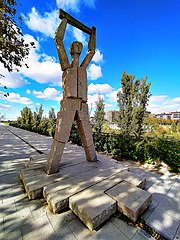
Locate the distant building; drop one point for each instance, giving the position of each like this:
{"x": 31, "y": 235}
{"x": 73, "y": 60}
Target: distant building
{"x": 175, "y": 115}
{"x": 111, "y": 116}
{"x": 166, "y": 116}
{"x": 169, "y": 116}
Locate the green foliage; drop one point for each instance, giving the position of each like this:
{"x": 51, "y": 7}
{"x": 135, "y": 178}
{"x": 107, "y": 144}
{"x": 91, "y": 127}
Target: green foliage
{"x": 25, "y": 121}
{"x": 145, "y": 149}
{"x": 37, "y": 117}
{"x": 161, "y": 130}
{"x": 36, "y": 122}
{"x": 173, "y": 127}
{"x": 13, "y": 49}
{"x": 52, "y": 122}
{"x": 178, "y": 126}
{"x": 99, "y": 115}
{"x": 132, "y": 101}
{"x": 74, "y": 136}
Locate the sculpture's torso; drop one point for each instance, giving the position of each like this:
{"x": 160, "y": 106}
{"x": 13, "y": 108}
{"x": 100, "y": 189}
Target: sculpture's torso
{"x": 74, "y": 83}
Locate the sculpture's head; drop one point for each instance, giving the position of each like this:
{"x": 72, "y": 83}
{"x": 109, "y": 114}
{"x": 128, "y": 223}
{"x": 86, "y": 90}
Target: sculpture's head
{"x": 76, "y": 47}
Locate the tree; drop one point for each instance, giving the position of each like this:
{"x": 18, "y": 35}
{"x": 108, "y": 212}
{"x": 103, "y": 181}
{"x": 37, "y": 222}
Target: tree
{"x": 52, "y": 122}
{"x": 174, "y": 127}
{"x": 37, "y": 117}
{"x": 1, "y": 117}
{"x": 25, "y": 121}
{"x": 13, "y": 49}
{"x": 99, "y": 115}
{"x": 132, "y": 101}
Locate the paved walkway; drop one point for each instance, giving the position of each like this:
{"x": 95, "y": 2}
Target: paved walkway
{"x": 24, "y": 219}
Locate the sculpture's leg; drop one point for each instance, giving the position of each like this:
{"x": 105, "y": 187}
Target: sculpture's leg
{"x": 64, "y": 123}
{"x": 85, "y": 132}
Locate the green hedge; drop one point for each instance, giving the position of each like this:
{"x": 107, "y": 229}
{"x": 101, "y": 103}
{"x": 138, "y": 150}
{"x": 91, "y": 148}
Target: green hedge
{"x": 144, "y": 150}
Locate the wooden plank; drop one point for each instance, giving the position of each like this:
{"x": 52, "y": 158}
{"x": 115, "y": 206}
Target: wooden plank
{"x": 74, "y": 22}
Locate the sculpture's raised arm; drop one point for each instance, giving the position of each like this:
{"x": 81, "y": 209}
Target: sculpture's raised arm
{"x": 91, "y": 48}
{"x": 59, "y": 36}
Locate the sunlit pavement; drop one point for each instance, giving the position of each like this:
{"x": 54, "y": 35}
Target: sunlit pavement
{"x": 24, "y": 219}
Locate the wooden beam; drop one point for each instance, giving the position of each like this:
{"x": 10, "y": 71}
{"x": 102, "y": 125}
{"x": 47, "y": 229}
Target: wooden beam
{"x": 74, "y": 22}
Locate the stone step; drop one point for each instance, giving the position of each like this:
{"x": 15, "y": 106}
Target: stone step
{"x": 95, "y": 213}
{"x": 92, "y": 208}
{"x": 57, "y": 195}
{"x": 34, "y": 178}
{"x": 131, "y": 201}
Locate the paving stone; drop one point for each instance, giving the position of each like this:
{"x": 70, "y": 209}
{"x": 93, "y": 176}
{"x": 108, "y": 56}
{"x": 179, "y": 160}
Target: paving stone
{"x": 16, "y": 220}
{"x": 1, "y": 228}
{"x": 122, "y": 226}
{"x": 80, "y": 231}
{"x": 170, "y": 207}
{"x": 177, "y": 236}
{"x": 60, "y": 220}
{"x": 132, "y": 201}
{"x": 142, "y": 235}
{"x": 39, "y": 209}
{"x": 92, "y": 208}
{"x": 7, "y": 209}
{"x": 13, "y": 235}
{"x": 110, "y": 232}
{"x": 163, "y": 223}
{"x": 63, "y": 233}
{"x": 38, "y": 229}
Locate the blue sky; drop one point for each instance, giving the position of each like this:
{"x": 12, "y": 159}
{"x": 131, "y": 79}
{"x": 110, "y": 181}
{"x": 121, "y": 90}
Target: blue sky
{"x": 139, "y": 36}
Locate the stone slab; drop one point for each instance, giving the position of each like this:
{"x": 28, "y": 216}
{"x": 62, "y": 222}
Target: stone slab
{"x": 99, "y": 180}
{"x": 57, "y": 194}
{"x": 132, "y": 201}
{"x": 34, "y": 179}
{"x": 92, "y": 208}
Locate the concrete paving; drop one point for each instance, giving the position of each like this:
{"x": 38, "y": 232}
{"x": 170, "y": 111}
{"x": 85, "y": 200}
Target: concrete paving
{"x": 24, "y": 219}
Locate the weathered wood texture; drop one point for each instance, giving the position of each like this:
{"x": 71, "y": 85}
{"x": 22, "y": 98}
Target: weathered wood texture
{"x": 74, "y": 22}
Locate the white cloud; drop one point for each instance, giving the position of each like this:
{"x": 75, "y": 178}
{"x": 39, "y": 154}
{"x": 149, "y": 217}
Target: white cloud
{"x": 79, "y": 36}
{"x": 5, "y": 107}
{"x": 42, "y": 68}
{"x": 112, "y": 96}
{"x": 94, "y": 72}
{"x": 98, "y": 57}
{"x": 74, "y": 5}
{"x": 28, "y": 91}
{"x": 15, "y": 97}
{"x": 108, "y": 105}
{"x": 38, "y": 104}
{"x": 92, "y": 99}
{"x": 157, "y": 98}
{"x": 99, "y": 88}
{"x": 163, "y": 104}
{"x": 11, "y": 79}
{"x": 48, "y": 94}
{"x": 46, "y": 24}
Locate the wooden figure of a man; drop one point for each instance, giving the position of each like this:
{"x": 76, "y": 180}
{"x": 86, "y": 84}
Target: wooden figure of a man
{"x": 74, "y": 103}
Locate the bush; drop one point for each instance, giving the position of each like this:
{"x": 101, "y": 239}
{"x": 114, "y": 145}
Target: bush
{"x": 144, "y": 150}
